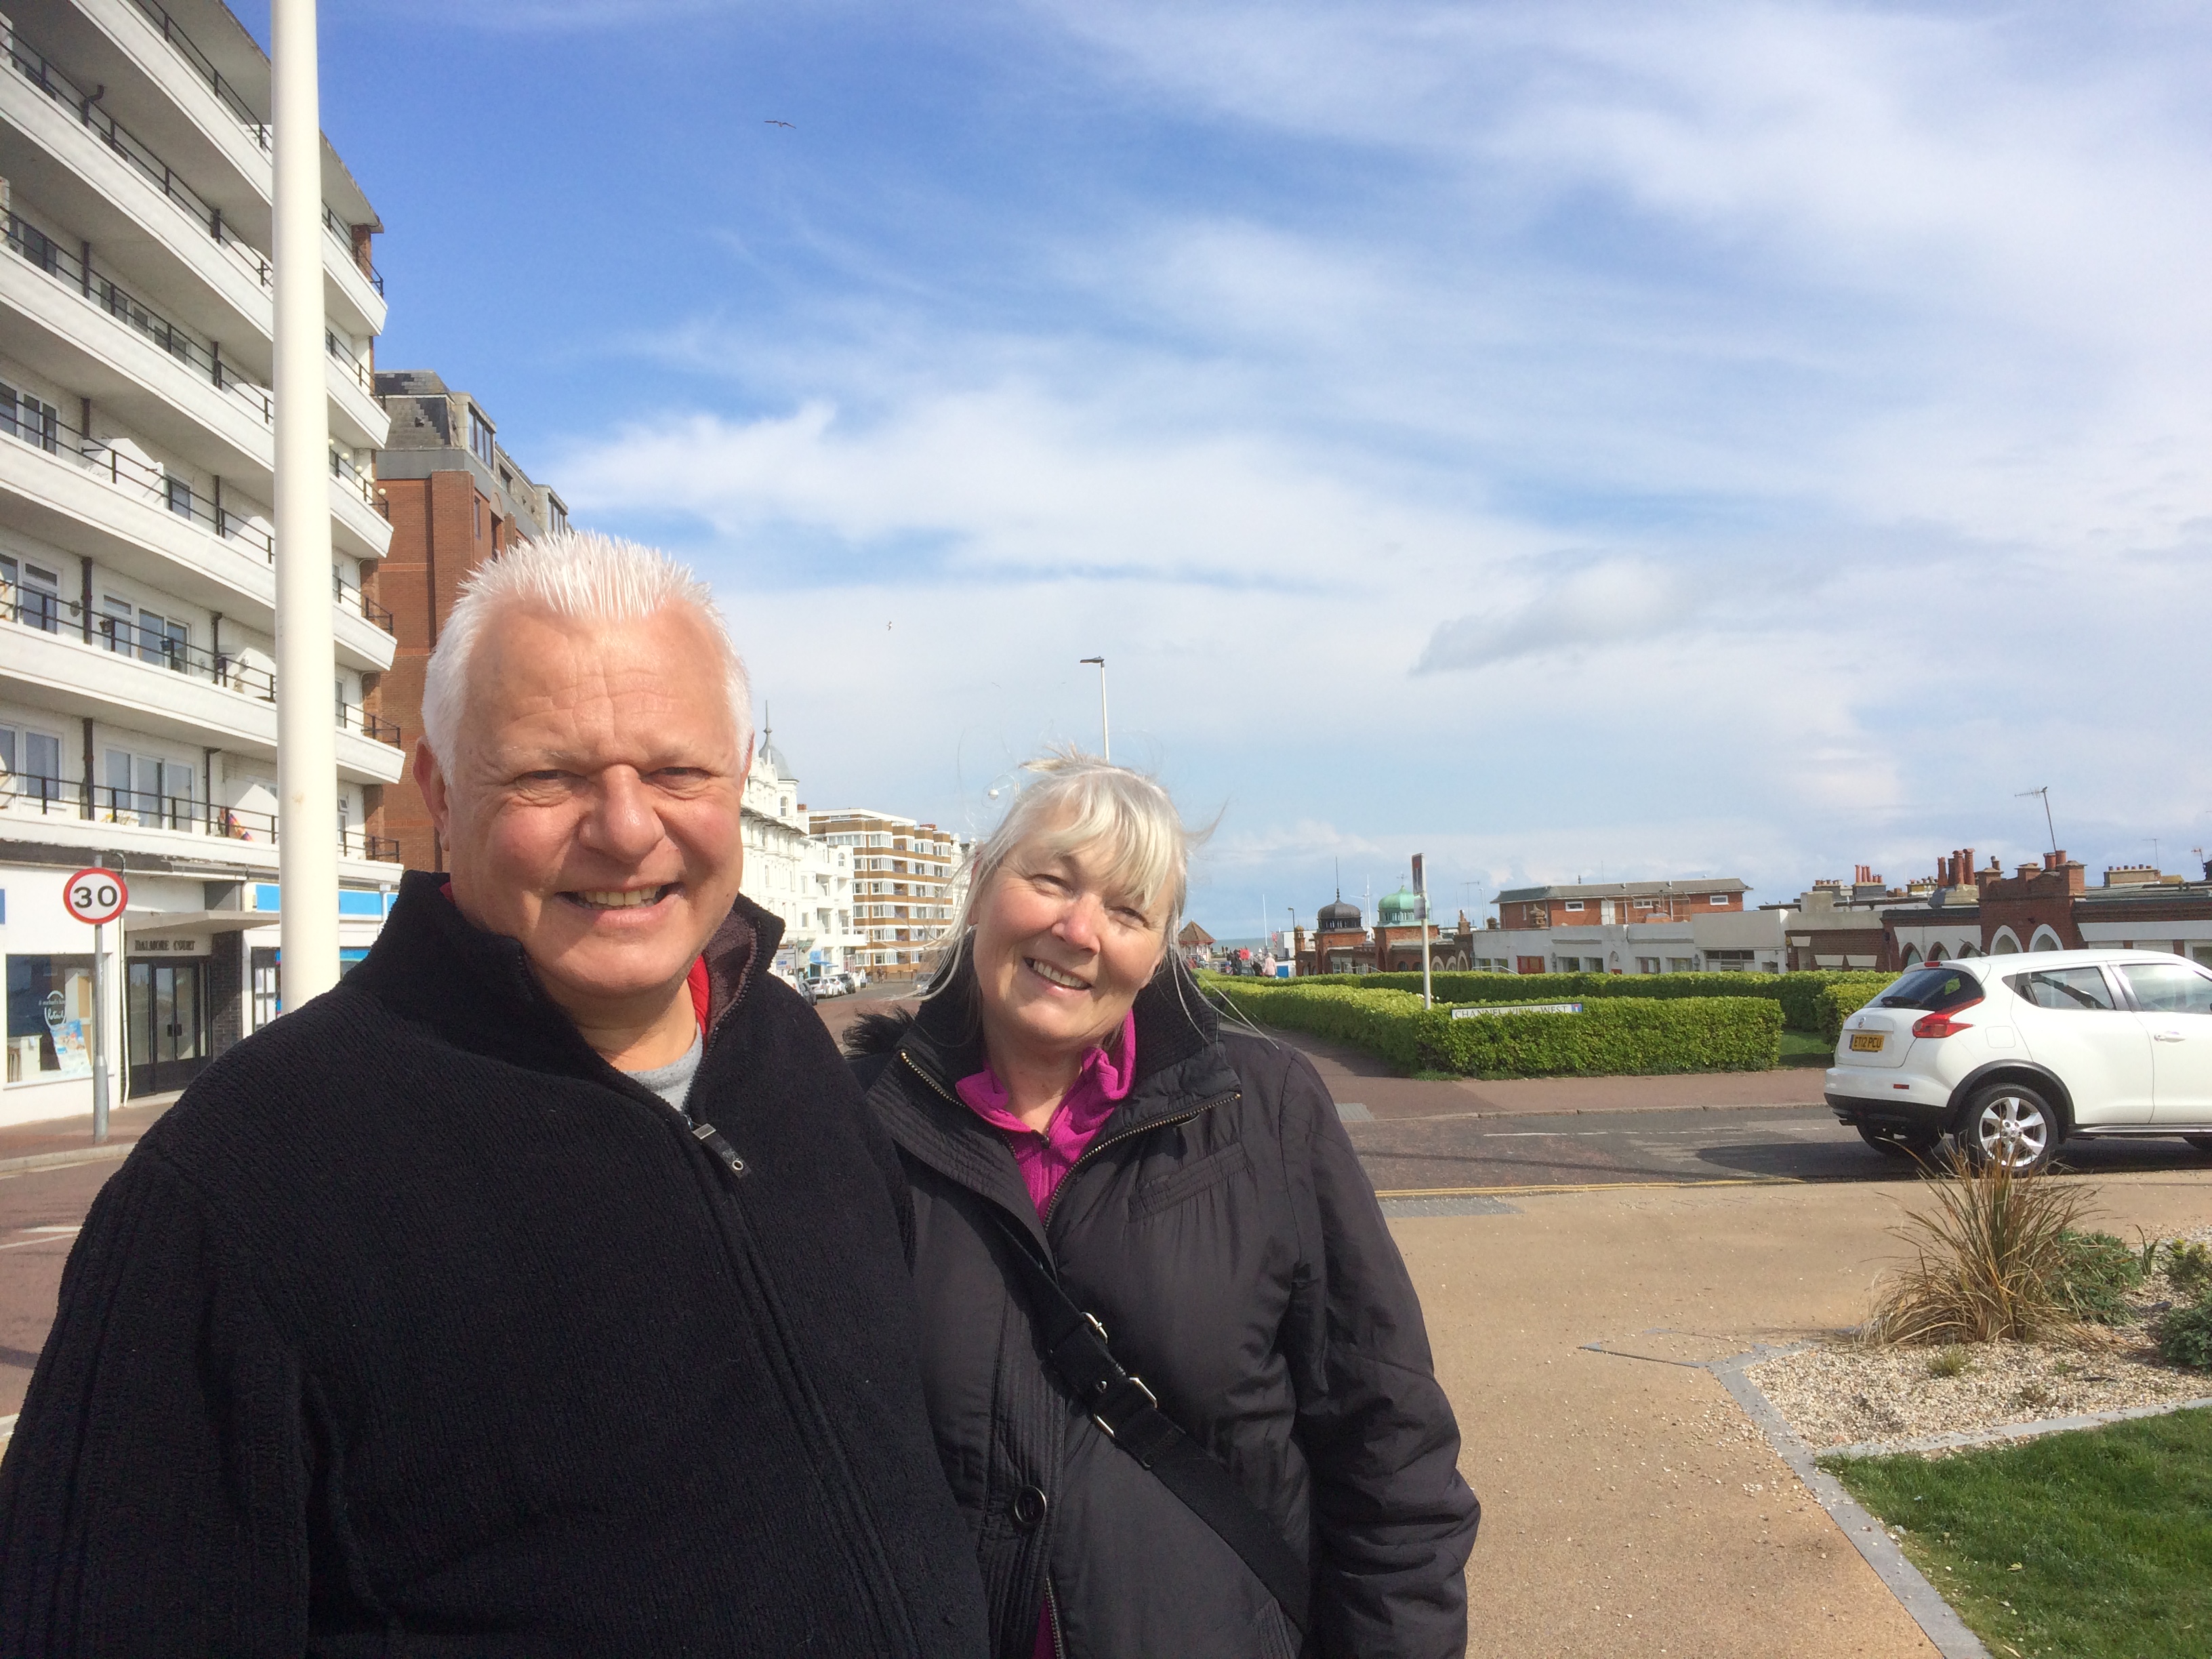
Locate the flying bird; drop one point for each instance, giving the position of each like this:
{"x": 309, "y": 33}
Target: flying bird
{"x": 772, "y": 122}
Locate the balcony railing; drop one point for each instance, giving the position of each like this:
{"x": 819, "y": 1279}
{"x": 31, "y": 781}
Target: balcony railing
{"x": 349, "y": 594}
{"x": 42, "y": 428}
{"x": 22, "y": 792}
{"x": 34, "y": 67}
{"x": 197, "y": 352}
{"x": 343, "y": 470}
{"x": 36, "y": 608}
{"x": 50, "y": 613}
{"x": 343, "y": 356}
{"x": 342, "y": 234}
{"x": 184, "y": 45}
{"x": 352, "y": 717}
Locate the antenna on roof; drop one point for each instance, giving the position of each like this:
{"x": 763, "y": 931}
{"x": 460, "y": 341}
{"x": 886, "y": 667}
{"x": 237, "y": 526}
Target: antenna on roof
{"x": 2046, "y": 793}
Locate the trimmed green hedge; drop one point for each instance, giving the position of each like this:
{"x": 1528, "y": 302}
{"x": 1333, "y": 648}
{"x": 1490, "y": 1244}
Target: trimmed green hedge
{"x": 1803, "y": 996}
{"x": 1849, "y": 994}
{"x": 1613, "y": 1036}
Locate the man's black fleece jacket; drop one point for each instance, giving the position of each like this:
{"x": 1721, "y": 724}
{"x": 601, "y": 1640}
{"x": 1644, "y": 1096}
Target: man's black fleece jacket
{"x": 414, "y": 1327}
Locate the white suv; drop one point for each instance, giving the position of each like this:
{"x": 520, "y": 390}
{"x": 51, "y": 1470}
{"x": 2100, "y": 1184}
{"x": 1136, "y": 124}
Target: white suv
{"x": 2012, "y": 1054}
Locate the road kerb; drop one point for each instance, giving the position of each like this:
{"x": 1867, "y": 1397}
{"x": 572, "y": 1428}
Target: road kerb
{"x": 63, "y": 1159}
{"x": 1582, "y": 1186}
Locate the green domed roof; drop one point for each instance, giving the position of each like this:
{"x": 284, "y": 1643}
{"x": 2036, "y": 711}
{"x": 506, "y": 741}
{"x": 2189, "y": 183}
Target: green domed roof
{"x": 1400, "y": 909}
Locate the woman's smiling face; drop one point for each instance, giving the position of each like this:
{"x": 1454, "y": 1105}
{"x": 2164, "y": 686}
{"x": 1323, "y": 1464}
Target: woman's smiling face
{"x": 1060, "y": 955}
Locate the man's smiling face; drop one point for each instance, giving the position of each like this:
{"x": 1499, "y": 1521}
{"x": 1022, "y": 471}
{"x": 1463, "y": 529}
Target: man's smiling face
{"x": 592, "y": 808}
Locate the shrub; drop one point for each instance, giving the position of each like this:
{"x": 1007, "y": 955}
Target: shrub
{"x": 1990, "y": 1259}
{"x": 1613, "y": 1036}
{"x": 2096, "y": 1272}
{"x": 1800, "y": 994}
{"x": 1949, "y": 1361}
{"x": 1844, "y": 996}
{"x": 2188, "y": 1266}
{"x": 2184, "y": 1336}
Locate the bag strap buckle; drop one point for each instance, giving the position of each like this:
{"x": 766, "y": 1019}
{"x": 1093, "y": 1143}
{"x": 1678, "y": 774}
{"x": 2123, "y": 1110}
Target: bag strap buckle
{"x": 1126, "y": 1409}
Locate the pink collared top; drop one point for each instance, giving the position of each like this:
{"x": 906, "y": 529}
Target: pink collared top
{"x": 1045, "y": 1158}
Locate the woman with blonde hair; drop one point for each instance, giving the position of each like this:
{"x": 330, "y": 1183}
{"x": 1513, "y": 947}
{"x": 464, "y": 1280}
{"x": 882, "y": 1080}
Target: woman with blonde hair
{"x": 1178, "y": 1372}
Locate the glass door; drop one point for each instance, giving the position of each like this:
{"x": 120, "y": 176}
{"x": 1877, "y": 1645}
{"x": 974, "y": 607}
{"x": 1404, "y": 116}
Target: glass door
{"x": 165, "y": 1029}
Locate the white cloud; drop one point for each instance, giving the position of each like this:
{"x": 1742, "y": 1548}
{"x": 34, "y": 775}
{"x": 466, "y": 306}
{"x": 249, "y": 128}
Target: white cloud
{"x": 1781, "y": 422}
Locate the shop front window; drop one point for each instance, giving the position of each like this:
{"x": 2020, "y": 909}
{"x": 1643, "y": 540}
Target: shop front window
{"x": 49, "y": 1018}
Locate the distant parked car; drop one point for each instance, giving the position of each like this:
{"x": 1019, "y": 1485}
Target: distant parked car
{"x": 2011, "y": 1055}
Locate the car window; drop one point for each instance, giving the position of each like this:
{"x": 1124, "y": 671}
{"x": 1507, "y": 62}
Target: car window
{"x": 2169, "y": 987}
{"x": 2068, "y": 988}
{"x": 1931, "y": 988}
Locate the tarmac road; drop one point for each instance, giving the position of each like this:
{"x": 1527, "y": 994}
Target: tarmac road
{"x": 1432, "y": 1147}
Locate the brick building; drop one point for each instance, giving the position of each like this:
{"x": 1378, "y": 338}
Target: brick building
{"x": 455, "y": 498}
{"x": 1609, "y": 903}
{"x": 2048, "y": 905}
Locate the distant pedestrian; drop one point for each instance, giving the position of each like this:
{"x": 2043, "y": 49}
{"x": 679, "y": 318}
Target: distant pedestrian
{"x": 541, "y": 1290}
{"x": 1121, "y": 1201}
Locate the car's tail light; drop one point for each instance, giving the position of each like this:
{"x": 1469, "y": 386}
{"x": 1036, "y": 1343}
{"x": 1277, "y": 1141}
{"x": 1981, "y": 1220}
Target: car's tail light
{"x": 1942, "y": 1024}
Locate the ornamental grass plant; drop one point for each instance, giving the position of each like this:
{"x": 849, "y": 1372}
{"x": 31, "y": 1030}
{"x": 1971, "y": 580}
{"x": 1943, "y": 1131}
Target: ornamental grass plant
{"x": 1996, "y": 1257}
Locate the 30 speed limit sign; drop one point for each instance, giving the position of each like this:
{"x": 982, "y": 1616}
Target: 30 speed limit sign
{"x": 95, "y": 896}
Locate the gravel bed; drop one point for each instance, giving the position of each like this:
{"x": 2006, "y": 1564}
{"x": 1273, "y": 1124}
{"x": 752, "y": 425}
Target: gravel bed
{"x": 1841, "y": 1393}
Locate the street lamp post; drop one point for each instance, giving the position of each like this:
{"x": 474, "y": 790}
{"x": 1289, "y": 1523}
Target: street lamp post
{"x": 307, "y": 663}
{"x": 1105, "y": 729}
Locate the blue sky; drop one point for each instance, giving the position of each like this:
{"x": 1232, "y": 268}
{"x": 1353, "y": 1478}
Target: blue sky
{"x": 1722, "y": 437}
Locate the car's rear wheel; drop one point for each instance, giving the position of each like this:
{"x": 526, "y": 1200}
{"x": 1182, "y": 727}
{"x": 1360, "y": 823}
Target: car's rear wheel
{"x": 1899, "y": 1143}
{"x": 2009, "y": 1124}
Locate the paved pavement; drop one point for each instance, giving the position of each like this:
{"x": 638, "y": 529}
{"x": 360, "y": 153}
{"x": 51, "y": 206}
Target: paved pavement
{"x": 1629, "y": 1506}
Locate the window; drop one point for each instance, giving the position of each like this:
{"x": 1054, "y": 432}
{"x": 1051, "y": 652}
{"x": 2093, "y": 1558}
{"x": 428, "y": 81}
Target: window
{"x": 161, "y": 639}
{"x": 2073, "y": 990}
{"x": 1647, "y": 964}
{"x": 1569, "y": 965}
{"x": 476, "y": 505}
{"x": 2168, "y": 988}
{"x": 33, "y": 596}
{"x": 1932, "y": 989}
{"x": 1574, "y": 904}
{"x": 1681, "y": 965}
{"x": 559, "y": 515}
{"x": 480, "y": 438}
{"x": 40, "y": 780}
{"x": 49, "y": 1018}
{"x": 24, "y": 417}
{"x": 179, "y": 492}
{"x": 268, "y": 992}
{"x": 1720, "y": 898}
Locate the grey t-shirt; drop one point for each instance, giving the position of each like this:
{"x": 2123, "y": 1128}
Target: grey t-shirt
{"x": 672, "y": 1082}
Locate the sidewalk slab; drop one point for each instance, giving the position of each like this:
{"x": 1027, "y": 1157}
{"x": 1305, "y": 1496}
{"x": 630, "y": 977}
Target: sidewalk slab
{"x": 64, "y": 1139}
{"x": 1629, "y": 1503}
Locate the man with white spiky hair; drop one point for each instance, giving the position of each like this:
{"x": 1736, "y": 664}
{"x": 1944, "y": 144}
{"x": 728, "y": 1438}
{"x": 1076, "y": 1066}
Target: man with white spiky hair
{"x": 541, "y": 1290}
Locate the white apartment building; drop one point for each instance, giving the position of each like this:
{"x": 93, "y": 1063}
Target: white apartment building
{"x": 908, "y": 879}
{"x": 790, "y": 875}
{"x": 137, "y": 583}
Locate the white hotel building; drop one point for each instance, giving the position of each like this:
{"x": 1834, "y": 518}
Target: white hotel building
{"x": 790, "y": 874}
{"x": 137, "y": 724}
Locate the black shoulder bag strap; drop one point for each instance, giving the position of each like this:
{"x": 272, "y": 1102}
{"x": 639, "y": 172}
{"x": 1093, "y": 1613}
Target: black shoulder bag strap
{"x": 1132, "y": 1419}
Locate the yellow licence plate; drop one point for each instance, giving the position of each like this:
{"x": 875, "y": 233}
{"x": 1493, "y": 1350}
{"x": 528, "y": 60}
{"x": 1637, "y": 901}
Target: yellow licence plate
{"x": 1866, "y": 1043}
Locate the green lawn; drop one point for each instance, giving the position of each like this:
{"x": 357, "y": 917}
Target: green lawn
{"x": 1807, "y": 1048}
{"x": 2092, "y": 1545}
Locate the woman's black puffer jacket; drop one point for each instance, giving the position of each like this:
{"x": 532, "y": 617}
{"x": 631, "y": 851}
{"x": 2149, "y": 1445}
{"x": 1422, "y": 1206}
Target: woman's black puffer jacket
{"x": 1222, "y": 1229}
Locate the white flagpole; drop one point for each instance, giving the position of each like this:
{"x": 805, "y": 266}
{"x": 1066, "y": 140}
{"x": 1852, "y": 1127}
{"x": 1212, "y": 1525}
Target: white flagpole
{"x": 306, "y": 662}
